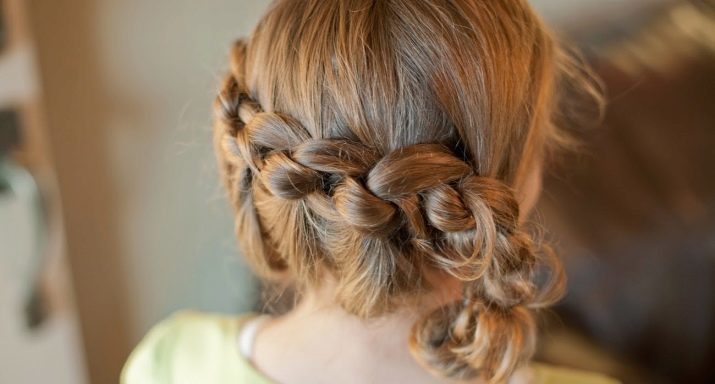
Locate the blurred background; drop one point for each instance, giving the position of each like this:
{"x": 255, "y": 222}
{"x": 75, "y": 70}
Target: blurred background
{"x": 111, "y": 214}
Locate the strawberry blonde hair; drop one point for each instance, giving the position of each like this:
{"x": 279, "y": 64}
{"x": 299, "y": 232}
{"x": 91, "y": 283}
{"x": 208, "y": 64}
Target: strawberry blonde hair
{"x": 375, "y": 140}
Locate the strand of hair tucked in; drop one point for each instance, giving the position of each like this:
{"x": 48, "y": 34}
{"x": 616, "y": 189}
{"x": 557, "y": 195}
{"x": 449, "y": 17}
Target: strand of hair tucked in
{"x": 346, "y": 147}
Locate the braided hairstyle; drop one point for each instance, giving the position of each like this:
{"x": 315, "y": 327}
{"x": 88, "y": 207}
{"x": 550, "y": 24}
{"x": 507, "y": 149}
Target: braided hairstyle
{"x": 380, "y": 139}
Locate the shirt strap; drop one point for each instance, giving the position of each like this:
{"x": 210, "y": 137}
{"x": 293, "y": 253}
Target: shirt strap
{"x": 247, "y": 335}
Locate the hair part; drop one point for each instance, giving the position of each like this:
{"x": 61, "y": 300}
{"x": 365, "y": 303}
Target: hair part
{"x": 380, "y": 139}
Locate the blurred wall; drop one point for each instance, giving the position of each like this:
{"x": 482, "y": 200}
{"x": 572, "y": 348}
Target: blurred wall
{"x": 128, "y": 89}
{"x": 580, "y": 14}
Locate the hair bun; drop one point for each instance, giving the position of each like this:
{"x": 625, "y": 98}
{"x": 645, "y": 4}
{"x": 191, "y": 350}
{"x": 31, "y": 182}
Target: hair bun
{"x": 471, "y": 338}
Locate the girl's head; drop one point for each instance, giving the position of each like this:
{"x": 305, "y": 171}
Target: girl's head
{"x": 381, "y": 143}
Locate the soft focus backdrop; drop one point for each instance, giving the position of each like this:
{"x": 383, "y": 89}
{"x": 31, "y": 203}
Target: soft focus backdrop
{"x": 111, "y": 100}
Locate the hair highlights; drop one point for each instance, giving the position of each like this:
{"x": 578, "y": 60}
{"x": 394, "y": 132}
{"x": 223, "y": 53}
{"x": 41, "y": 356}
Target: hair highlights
{"x": 380, "y": 139}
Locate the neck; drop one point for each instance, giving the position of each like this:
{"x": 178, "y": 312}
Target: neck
{"x": 339, "y": 342}
{"x": 318, "y": 341}
{"x": 317, "y": 307}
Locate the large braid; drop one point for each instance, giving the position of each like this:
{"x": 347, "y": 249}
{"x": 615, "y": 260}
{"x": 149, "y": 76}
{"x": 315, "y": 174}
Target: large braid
{"x": 324, "y": 180}
{"x": 453, "y": 218}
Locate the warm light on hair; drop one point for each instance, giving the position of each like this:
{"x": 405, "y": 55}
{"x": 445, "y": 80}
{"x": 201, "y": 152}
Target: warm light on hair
{"x": 379, "y": 140}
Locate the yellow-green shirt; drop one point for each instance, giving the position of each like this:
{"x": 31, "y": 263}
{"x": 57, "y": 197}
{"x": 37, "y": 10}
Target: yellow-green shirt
{"x": 194, "y": 347}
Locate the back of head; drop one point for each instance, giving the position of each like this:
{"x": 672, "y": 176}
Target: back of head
{"x": 379, "y": 140}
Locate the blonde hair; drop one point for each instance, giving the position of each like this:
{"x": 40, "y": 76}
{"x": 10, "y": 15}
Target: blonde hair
{"x": 380, "y": 139}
